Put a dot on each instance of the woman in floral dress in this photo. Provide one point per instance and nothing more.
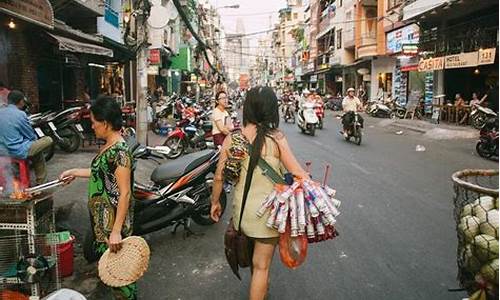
(110, 185)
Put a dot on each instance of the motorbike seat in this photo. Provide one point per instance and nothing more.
(168, 172)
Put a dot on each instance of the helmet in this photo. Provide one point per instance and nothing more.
(350, 90)
(306, 91)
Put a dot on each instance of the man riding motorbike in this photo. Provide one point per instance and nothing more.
(350, 104)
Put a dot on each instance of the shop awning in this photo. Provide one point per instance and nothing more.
(120, 50)
(67, 44)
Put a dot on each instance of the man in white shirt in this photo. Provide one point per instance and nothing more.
(350, 104)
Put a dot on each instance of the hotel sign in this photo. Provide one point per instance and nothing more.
(486, 56)
(39, 12)
(455, 61)
(462, 60)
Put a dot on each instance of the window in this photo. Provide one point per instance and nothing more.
(295, 16)
(393, 3)
(339, 38)
(164, 3)
(340, 3)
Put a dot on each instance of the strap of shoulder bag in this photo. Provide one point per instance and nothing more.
(268, 171)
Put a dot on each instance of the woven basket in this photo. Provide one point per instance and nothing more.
(127, 265)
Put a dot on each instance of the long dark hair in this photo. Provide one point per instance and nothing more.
(260, 108)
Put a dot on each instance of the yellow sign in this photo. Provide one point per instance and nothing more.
(431, 64)
(486, 56)
(462, 60)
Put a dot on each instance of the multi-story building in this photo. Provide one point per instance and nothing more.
(457, 50)
(236, 52)
(80, 50)
(288, 35)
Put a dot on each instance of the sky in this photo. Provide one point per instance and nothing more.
(255, 14)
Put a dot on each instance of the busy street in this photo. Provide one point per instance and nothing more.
(226, 149)
(395, 243)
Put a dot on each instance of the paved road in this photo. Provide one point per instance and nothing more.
(397, 231)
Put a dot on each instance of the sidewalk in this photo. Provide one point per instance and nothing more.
(440, 131)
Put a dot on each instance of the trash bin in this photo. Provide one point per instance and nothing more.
(63, 242)
(476, 216)
(65, 254)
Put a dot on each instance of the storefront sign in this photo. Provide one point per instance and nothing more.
(154, 56)
(39, 12)
(409, 68)
(431, 64)
(405, 35)
(410, 49)
(153, 70)
(486, 56)
(462, 60)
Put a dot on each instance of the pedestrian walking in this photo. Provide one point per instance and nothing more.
(110, 185)
(220, 119)
(260, 129)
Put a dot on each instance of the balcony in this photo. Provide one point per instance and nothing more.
(348, 36)
(78, 8)
(367, 45)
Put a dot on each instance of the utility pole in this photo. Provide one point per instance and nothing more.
(142, 82)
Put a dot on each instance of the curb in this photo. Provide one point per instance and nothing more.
(409, 127)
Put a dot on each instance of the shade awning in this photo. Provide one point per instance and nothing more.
(67, 44)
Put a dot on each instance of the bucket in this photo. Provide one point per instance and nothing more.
(65, 254)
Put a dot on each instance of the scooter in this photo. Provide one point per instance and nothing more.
(355, 129)
(380, 110)
(307, 119)
(487, 146)
(192, 133)
(479, 116)
(180, 192)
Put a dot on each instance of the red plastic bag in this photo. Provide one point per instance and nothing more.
(293, 250)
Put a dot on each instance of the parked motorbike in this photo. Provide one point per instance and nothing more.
(354, 131)
(62, 127)
(487, 146)
(190, 133)
(333, 103)
(179, 192)
(380, 110)
(307, 119)
(479, 116)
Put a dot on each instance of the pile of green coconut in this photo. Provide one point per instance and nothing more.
(478, 242)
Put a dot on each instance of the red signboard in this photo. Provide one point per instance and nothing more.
(409, 68)
(154, 57)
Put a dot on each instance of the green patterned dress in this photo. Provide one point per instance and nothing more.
(103, 202)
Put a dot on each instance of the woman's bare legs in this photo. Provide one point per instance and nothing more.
(261, 263)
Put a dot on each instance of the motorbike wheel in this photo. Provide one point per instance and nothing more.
(357, 138)
(477, 122)
(89, 252)
(70, 142)
(400, 114)
(393, 116)
(312, 130)
(482, 150)
(176, 145)
(203, 217)
(293, 119)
